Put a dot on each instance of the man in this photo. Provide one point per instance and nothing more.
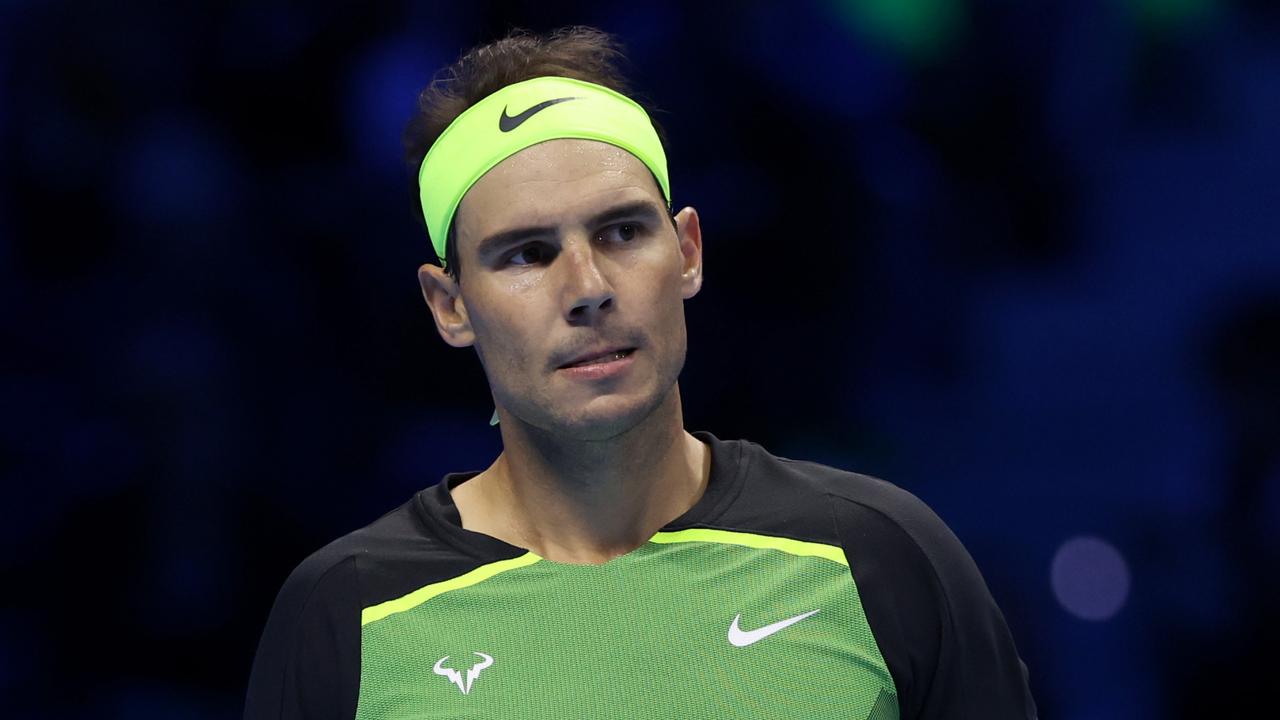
(609, 564)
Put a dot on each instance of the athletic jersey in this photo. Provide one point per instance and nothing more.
(789, 590)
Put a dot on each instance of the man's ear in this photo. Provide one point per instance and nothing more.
(444, 297)
(689, 234)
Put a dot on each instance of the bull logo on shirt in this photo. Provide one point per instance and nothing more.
(455, 677)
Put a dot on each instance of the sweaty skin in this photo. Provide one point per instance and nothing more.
(590, 467)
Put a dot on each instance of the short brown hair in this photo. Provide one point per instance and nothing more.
(578, 52)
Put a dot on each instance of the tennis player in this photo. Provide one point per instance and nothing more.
(609, 563)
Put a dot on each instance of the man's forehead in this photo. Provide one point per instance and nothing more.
(553, 181)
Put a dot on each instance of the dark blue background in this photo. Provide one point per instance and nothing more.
(1019, 258)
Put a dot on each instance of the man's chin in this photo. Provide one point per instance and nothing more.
(604, 418)
(600, 418)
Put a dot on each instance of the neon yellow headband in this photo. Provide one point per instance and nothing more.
(524, 114)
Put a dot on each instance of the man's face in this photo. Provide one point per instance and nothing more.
(566, 251)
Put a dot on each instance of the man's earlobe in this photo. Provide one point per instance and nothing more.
(444, 298)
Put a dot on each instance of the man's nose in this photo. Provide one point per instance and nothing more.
(587, 292)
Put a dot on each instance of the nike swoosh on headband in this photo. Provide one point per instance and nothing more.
(507, 123)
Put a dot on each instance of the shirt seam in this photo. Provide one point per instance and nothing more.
(933, 570)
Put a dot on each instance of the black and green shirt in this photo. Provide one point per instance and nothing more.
(789, 590)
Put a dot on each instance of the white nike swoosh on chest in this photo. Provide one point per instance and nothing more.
(742, 638)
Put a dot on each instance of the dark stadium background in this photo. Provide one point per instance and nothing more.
(1020, 258)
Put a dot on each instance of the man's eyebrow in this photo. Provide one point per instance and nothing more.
(638, 210)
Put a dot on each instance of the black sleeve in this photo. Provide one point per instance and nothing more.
(943, 637)
(308, 661)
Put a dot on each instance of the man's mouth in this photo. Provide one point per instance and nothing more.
(600, 358)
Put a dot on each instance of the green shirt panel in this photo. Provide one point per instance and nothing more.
(646, 635)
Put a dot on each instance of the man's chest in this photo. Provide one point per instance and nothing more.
(693, 625)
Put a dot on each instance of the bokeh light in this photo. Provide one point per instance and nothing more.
(1090, 578)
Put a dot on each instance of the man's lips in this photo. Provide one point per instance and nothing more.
(594, 355)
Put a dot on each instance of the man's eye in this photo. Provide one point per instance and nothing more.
(624, 232)
(527, 255)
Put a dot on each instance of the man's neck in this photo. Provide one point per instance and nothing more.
(588, 501)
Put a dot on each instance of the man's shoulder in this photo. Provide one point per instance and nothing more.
(864, 514)
(310, 648)
(391, 555)
(874, 520)
(934, 619)
(809, 488)
(339, 556)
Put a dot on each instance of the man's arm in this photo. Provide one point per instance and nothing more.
(944, 639)
(308, 661)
